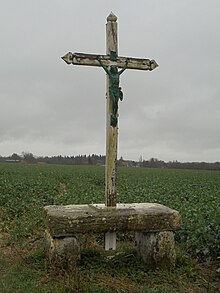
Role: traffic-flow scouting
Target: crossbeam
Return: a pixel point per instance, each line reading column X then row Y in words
column 92, row 60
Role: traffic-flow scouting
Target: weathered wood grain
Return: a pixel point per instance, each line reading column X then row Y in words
column 92, row 60
column 111, row 132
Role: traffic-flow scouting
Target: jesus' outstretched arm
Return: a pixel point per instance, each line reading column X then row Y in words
column 103, row 66
column 123, row 69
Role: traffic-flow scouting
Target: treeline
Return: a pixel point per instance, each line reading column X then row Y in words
column 155, row 163
column 65, row 160
column 93, row 159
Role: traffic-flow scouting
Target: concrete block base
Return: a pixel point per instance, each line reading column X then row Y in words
column 63, row 252
column 157, row 249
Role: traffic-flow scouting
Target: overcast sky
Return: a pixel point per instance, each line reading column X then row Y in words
column 50, row 108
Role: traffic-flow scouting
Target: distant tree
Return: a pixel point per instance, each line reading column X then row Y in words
column 28, row 157
column 90, row 160
column 15, row 156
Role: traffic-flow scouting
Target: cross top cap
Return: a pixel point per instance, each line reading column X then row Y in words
column 112, row 17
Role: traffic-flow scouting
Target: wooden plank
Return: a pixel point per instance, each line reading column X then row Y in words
column 72, row 219
column 92, row 60
column 111, row 132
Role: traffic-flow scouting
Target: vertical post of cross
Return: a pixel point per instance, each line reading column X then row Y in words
column 111, row 132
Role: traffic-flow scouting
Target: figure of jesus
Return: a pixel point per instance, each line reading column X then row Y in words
column 115, row 91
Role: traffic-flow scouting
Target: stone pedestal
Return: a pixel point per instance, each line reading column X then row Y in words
column 63, row 252
column 153, row 224
column 157, row 249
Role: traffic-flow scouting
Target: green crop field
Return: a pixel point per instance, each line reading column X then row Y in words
column 25, row 189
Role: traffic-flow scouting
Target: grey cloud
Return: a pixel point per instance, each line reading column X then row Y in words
column 48, row 107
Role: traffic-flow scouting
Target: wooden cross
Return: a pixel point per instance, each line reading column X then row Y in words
column 107, row 61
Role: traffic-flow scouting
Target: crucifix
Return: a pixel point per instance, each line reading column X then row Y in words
column 110, row 63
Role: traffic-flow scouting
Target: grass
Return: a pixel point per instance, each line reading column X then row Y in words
column 25, row 189
column 29, row 272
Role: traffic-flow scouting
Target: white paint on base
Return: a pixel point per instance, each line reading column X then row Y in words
column 110, row 241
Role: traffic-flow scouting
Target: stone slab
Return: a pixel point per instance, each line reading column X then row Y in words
column 68, row 220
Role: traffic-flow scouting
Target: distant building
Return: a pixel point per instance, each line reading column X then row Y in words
column 12, row 161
